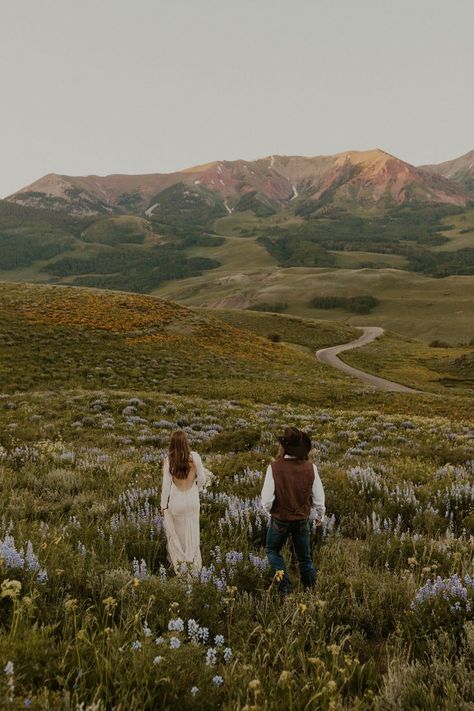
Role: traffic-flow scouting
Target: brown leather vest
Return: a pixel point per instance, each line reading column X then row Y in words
column 293, row 489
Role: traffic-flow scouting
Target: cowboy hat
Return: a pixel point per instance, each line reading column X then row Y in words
column 295, row 442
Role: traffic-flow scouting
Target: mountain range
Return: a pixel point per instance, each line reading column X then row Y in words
column 459, row 170
column 352, row 179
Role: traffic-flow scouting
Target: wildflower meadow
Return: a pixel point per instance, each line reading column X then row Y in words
column 92, row 617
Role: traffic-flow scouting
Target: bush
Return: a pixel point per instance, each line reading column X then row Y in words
column 329, row 302
column 278, row 307
column 362, row 304
column 439, row 344
column 356, row 304
column 235, row 441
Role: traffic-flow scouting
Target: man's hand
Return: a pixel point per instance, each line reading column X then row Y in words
column 318, row 522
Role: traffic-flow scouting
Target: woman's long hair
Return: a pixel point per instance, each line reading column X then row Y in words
column 179, row 455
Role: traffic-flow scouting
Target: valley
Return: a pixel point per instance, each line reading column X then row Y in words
column 173, row 236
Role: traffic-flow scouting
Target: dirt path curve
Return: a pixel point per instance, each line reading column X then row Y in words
column 370, row 333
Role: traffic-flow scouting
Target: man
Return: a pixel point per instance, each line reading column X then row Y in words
column 293, row 494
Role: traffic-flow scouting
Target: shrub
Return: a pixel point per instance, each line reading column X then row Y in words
column 240, row 440
column 362, row 304
column 438, row 344
column 329, row 302
column 356, row 304
column 278, row 307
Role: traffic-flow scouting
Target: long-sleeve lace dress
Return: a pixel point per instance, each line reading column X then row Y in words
column 181, row 516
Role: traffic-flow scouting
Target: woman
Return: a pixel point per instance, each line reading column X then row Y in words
column 293, row 495
column 183, row 478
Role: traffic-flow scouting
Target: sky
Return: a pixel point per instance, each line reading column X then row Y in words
column 144, row 86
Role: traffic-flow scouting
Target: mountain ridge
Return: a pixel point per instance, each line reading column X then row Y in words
column 460, row 170
column 371, row 179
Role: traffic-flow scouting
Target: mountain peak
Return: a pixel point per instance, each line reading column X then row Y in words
column 459, row 170
column 372, row 178
column 373, row 155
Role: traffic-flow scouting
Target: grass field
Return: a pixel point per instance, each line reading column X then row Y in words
column 119, row 340
column 409, row 361
column 137, row 254
column 91, row 617
column 462, row 235
column 310, row 334
column 410, row 304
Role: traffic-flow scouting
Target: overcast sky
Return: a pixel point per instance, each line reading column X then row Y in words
column 142, row 86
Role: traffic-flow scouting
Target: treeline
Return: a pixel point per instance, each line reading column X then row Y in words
column 131, row 268
column 362, row 304
column 26, row 236
column 17, row 216
column 260, row 205
column 277, row 307
column 19, row 251
column 295, row 251
column 405, row 231
column 185, row 207
column 442, row 264
column 146, row 278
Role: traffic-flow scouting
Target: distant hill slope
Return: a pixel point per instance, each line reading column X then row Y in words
column 85, row 340
column 54, row 337
column 459, row 170
column 370, row 179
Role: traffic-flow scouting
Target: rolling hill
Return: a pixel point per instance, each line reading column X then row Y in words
column 56, row 337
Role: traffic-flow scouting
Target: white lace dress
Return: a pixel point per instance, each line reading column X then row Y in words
column 181, row 517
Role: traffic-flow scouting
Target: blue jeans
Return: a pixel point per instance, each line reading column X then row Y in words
column 277, row 535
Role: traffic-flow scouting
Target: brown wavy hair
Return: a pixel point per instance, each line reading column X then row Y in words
column 179, row 455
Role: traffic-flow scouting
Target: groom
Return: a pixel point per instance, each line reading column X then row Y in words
column 292, row 490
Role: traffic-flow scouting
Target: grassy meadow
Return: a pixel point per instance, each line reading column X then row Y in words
column 413, row 304
column 416, row 260
column 90, row 615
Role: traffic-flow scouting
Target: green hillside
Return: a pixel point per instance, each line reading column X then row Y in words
column 118, row 340
column 60, row 337
column 416, row 261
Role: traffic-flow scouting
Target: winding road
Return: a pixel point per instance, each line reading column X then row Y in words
column 370, row 333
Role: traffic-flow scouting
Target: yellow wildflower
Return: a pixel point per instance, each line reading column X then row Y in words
column 285, row 678
column 110, row 603
column 10, row 588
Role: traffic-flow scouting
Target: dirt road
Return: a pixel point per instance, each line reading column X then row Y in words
column 370, row 333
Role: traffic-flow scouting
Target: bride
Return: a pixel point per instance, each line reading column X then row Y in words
column 183, row 478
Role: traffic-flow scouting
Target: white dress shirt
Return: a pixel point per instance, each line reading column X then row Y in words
column 268, row 492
